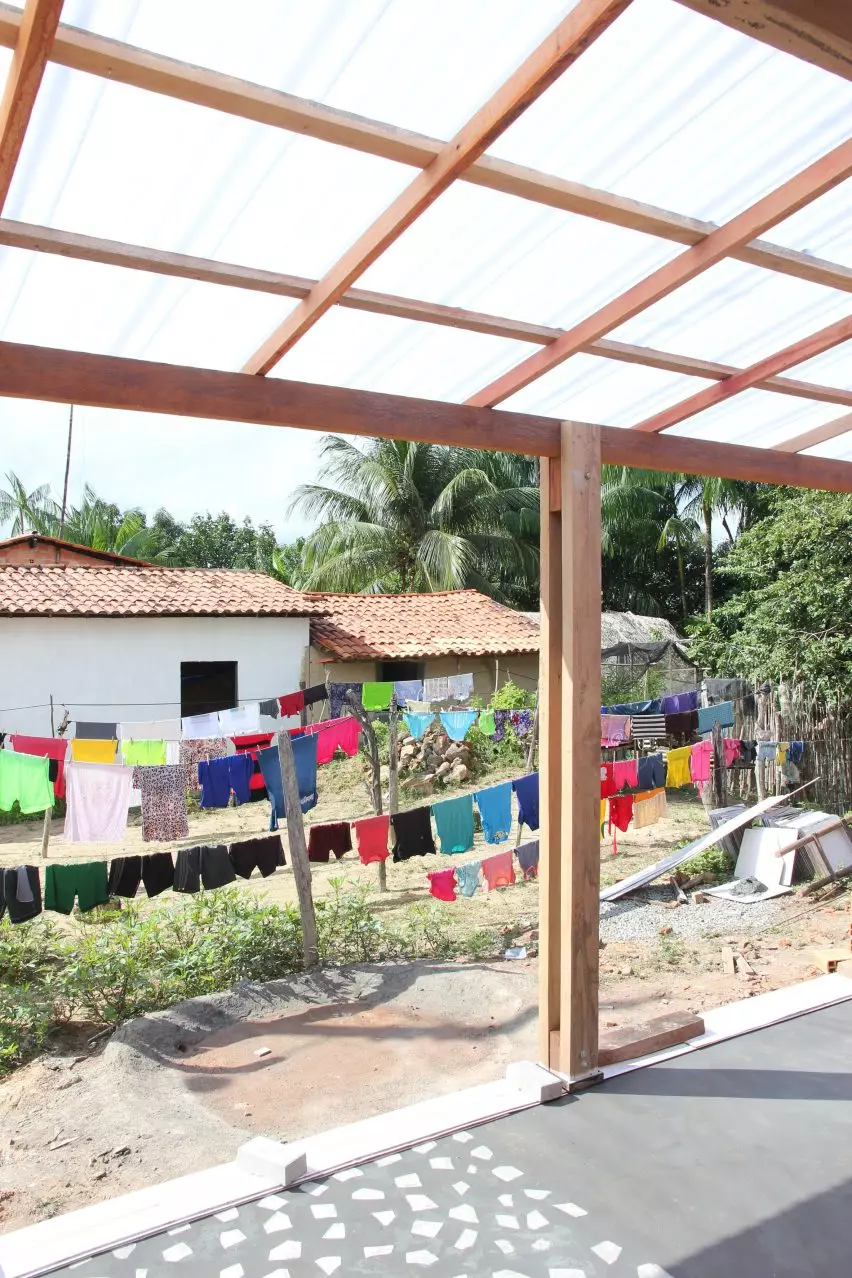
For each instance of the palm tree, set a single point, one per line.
(410, 517)
(27, 512)
(103, 526)
(702, 496)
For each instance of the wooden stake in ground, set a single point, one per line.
(298, 850)
(375, 771)
(45, 832)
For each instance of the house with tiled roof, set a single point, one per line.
(111, 639)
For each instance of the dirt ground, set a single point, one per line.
(181, 1090)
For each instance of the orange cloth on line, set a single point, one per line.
(499, 870)
(84, 750)
(648, 808)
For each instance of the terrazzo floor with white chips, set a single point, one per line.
(451, 1208)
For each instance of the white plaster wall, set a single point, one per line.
(101, 668)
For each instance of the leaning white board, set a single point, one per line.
(708, 840)
(759, 859)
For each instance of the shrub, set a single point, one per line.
(715, 861)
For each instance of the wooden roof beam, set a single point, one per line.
(108, 381)
(574, 34)
(818, 31)
(31, 50)
(804, 187)
(805, 348)
(93, 54)
(817, 435)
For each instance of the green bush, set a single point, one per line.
(715, 861)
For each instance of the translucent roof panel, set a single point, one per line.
(421, 64)
(404, 357)
(757, 418)
(822, 228)
(493, 252)
(56, 301)
(674, 109)
(839, 448)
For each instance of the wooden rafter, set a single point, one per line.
(806, 186)
(122, 63)
(816, 435)
(805, 348)
(108, 381)
(31, 50)
(819, 31)
(545, 64)
(91, 248)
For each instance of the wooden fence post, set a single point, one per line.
(298, 850)
(372, 752)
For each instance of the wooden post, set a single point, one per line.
(303, 714)
(533, 738)
(52, 727)
(45, 832)
(569, 701)
(298, 850)
(372, 752)
(393, 779)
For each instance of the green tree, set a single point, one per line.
(403, 516)
(26, 512)
(214, 541)
(790, 610)
(104, 526)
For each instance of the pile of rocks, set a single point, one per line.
(434, 760)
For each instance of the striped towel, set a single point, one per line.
(649, 727)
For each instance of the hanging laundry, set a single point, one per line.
(199, 727)
(158, 872)
(84, 750)
(485, 723)
(142, 752)
(651, 772)
(421, 707)
(163, 802)
(454, 823)
(193, 752)
(625, 774)
(797, 751)
(376, 696)
(708, 716)
(412, 833)
(467, 877)
(521, 721)
(269, 708)
(498, 870)
(495, 810)
(338, 697)
(620, 810)
(20, 893)
(648, 727)
(648, 809)
(293, 703)
(526, 790)
(679, 702)
(417, 724)
(501, 719)
(436, 689)
(608, 785)
(603, 814)
(527, 854)
(634, 707)
(460, 686)
(615, 728)
(699, 762)
(333, 836)
(45, 747)
(748, 751)
(371, 837)
(85, 880)
(25, 779)
(457, 723)
(305, 763)
(766, 751)
(220, 776)
(264, 854)
(150, 730)
(319, 692)
(98, 796)
(249, 745)
(240, 719)
(677, 767)
(95, 731)
(407, 690)
(781, 752)
(683, 725)
(335, 734)
(442, 884)
(208, 866)
(732, 750)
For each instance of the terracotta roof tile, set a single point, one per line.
(397, 627)
(68, 590)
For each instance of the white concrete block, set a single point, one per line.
(536, 1080)
(264, 1157)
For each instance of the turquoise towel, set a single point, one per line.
(417, 723)
(495, 808)
(457, 723)
(454, 823)
(467, 877)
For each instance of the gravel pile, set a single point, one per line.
(640, 916)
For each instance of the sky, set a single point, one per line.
(667, 107)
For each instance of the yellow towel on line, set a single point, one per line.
(84, 750)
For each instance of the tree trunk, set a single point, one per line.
(708, 560)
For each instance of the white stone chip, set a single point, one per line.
(471, 1169)
(328, 1264)
(349, 1173)
(272, 1202)
(323, 1211)
(461, 1186)
(180, 1251)
(337, 1230)
(505, 1246)
(441, 1164)
(233, 1271)
(462, 1137)
(506, 1200)
(378, 1251)
(121, 1253)
(465, 1239)
(608, 1251)
(541, 1244)
(535, 1220)
(567, 1273)
(225, 1216)
(410, 1181)
(464, 1212)
(310, 1187)
(420, 1202)
(361, 1194)
(538, 1193)
(652, 1271)
(507, 1222)
(425, 1148)
(291, 1250)
(277, 1222)
(230, 1237)
(384, 1217)
(178, 1229)
(421, 1258)
(427, 1228)
(506, 1173)
(388, 1159)
(571, 1209)
(482, 1151)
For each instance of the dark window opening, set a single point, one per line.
(389, 671)
(206, 686)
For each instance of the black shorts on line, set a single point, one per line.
(158, 872)
(125, 875)
(265, 854)
(19, 911)
(208, 865)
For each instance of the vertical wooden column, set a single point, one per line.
(569, 701)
